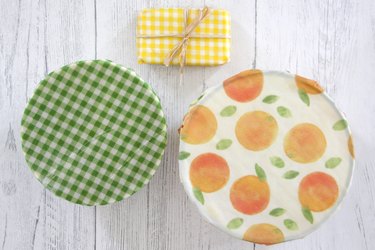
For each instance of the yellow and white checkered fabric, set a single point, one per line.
(170, 21)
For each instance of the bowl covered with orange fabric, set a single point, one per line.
(265, 156)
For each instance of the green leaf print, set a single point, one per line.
(304, 97)
(284, 112)
(270, 99)
(183, 155)
(340, 125)
(277, 212)
(198, 195)
(308, 215)
(291, 174)
(290, 224)
(235, 223)
(277, 161)
(228, 111)
(223, 144)
(260, 172)
(333, 162)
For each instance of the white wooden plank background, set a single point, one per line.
(332, 41)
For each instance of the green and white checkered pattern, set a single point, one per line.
(94, 132)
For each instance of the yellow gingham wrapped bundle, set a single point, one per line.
(160, 30)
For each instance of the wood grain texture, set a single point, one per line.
(331, 41)
(37, 37)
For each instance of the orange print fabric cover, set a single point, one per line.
(265, 156)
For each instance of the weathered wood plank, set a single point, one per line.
(37, 37)
(69, 34)
(122, 225)
(20, 194)
(326, 41)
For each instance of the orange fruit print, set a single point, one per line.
(264, 234)
(256, 130)
(249, 195)
(245, 86)
(209, 172)
(305, 143)
(199, 125)
(309, 86)
(318, 191)
(266, 156)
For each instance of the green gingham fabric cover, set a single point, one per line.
(94, 132)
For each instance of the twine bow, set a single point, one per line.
(181, 47)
